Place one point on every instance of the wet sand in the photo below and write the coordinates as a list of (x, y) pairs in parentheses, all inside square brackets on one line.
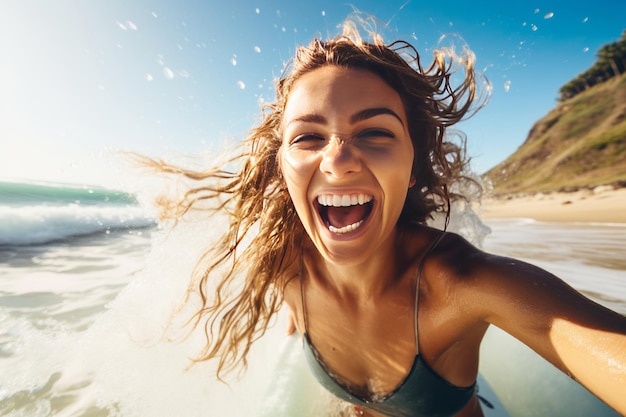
[(602, 204)]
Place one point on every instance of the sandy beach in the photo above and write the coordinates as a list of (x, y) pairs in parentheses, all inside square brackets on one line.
[(602, 204)]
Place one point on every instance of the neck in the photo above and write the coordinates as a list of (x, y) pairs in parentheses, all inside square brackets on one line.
[(365, 278)]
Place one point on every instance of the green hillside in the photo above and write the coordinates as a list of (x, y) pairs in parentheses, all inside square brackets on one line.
[(579, 144), (582, 142)]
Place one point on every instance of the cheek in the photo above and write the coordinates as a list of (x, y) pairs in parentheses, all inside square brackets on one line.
[(296, 175), (297, 167), (403, 166)]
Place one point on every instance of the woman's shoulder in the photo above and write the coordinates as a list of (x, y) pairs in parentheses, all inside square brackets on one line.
[(442, 245), (448, 257), (456, 267)]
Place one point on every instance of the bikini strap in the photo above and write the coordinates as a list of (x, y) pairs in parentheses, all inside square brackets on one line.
[(302, 292), (417, 287)]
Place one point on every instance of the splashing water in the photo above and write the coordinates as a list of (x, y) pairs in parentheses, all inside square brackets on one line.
[(86, 330)]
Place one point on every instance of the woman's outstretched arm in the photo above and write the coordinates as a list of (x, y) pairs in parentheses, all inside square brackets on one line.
[(582, 338)]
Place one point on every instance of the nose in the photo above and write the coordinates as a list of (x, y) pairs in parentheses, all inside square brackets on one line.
[(339, 159)]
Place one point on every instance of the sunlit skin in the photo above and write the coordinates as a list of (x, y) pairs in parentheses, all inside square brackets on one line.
[(344, 133)]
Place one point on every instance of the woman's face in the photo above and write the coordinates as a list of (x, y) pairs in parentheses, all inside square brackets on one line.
[(346, 157)]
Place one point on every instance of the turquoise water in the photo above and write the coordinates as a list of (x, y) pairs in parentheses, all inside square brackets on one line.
[(19, 194), (36, 213), (85, 310)]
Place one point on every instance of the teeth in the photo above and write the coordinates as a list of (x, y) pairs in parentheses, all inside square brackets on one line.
[(345, 229), (346, 200)]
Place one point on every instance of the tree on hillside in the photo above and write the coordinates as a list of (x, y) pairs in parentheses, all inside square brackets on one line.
[(611, 63)]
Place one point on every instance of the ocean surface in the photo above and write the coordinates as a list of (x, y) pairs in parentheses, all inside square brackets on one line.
[(89, 284)]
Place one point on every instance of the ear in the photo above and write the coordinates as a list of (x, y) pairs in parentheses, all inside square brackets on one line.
[(412, 181)]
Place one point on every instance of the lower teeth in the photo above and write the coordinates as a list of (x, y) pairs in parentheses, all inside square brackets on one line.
[(345, 229)]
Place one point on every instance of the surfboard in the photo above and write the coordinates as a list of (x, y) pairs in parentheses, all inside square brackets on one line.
[(489, 401), (528, 385), (293, 391)]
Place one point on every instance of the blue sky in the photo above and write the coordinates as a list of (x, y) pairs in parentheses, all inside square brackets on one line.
[(80, 79)]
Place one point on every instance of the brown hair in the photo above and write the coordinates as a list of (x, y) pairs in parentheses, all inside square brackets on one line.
[(258, 205)]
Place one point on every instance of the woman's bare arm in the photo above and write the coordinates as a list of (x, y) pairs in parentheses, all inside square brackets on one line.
[(582, 338)]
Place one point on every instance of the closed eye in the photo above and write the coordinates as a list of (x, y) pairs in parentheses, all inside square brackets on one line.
[(307, 137), (376, 133)]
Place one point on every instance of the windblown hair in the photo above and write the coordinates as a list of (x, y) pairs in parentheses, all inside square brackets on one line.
[(258, 205)]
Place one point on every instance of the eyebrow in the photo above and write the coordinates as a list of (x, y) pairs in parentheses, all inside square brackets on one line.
[(356, 117), (369, 113)]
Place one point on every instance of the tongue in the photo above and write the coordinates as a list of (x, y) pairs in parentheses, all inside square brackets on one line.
[(344, 216)]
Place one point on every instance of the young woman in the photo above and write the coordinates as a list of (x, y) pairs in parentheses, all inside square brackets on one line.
[(335, 187)]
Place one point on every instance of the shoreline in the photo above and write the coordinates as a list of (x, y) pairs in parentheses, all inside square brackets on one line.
[(603, 204)]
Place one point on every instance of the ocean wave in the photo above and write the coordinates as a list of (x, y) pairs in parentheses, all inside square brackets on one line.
[(38, 224), (16, 194)]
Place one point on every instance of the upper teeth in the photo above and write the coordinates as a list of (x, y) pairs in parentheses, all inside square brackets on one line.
[(346, 200)]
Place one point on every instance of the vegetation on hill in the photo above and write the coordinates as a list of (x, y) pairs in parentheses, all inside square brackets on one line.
[(611, 63), (579, 144)]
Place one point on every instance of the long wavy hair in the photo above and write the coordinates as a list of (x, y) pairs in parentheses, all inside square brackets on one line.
[(265, 235)]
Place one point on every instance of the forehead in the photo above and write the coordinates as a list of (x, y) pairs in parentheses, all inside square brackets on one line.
[(338, 90)]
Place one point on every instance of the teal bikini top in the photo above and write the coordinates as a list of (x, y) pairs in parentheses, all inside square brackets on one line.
[(422, 393)]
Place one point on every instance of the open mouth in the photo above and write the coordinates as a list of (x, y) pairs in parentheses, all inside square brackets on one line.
[(344, 213)]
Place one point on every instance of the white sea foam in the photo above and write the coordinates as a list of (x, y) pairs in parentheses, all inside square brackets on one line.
[(62, 359), (37, 224)]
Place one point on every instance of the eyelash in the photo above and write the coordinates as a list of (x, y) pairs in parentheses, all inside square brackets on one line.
[(364, 134), (376, 133), (307, 136)]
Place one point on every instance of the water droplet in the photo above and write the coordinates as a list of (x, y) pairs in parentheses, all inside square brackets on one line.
[(149, 77), (169, 74), (131, 25), (585, 49), (257, 49), (536, 11), (257, 10), (534, 28), (585, 20), (284, 29), (121, 25), (155, 15), (233, 60), (323, 13), (548, 15), (507, 86), (241, 85)]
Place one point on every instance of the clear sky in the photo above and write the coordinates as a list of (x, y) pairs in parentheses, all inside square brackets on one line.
[(80, 79)]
